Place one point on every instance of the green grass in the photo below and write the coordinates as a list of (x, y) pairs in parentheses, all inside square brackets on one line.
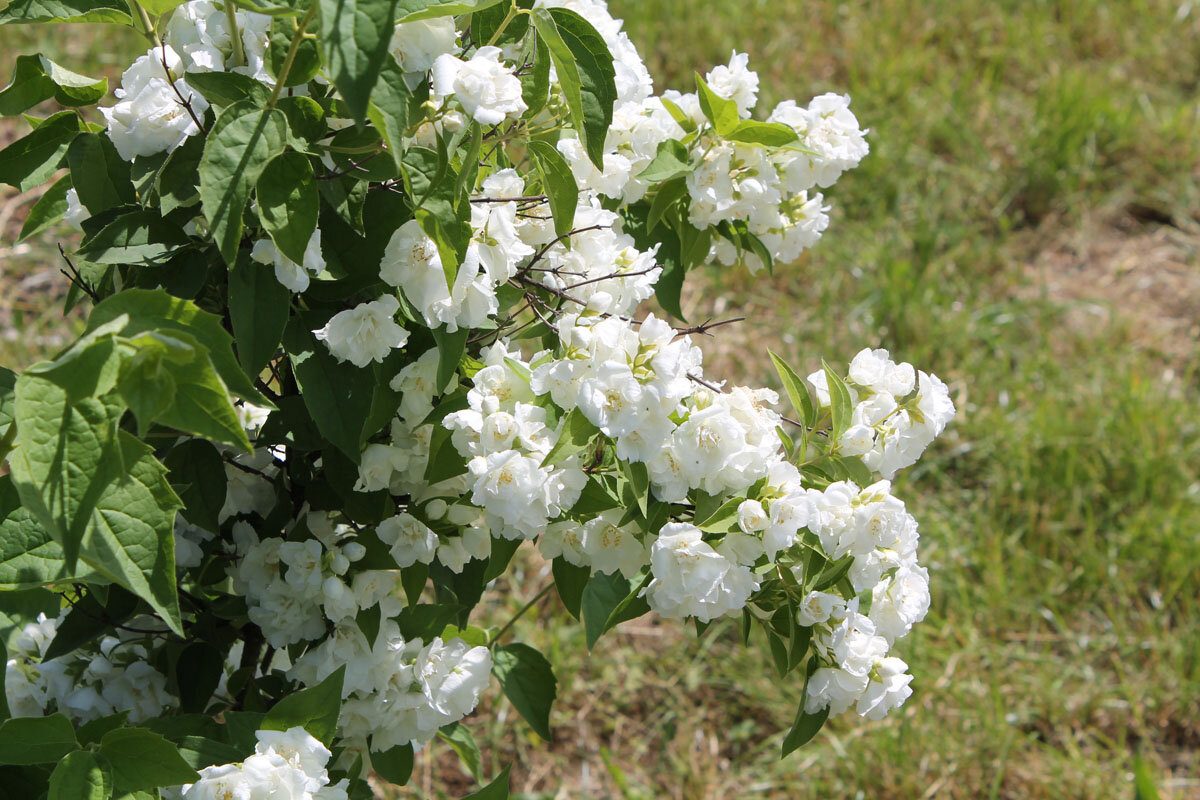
[(1060, 513)]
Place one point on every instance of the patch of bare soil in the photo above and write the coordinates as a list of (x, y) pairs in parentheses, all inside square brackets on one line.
[(1147, 275)]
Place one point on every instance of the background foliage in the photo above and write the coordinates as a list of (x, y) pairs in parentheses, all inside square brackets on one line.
[(1026, 226)]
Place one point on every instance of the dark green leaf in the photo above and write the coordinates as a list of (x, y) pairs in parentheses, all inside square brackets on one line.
[(528, 682), (226, 88), (258, 312), (803, 729), (48, 210), (559, 184), (29, 555), (458, 736), (36, 740), (142, 760), (569, 581), (394, 765), (80, 776), (451, 347), (608, 600), (355, 35), (22, 11), (307, 60), (315, 709), (288, 202), (100, 176), (197, 674), (577, 432), (136, 237), (797, 390), (37, 78), (243, 140), (389, 110), (32, 159), (496, 790)]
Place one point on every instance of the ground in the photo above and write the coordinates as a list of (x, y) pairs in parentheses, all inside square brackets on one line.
[(1028, 227)]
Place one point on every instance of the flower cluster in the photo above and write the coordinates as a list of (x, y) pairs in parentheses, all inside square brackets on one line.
[(287, 764)]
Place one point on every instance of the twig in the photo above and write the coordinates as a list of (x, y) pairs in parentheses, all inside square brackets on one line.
[(185, 102), (76, 278)]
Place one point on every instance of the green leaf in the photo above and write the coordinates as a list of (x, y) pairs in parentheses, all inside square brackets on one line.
[(90, 732), (577, 432), (338, 395), (389, 110), (32, 160), (797, 390), (722, 113), (99, 492), (197, 473), (667, 195), (559, 184), (37, 78), (771, 134), (48, 210), (197, 674), (535, 82), (306, 119), (433, 187), (100, 176), (459, 737), (22, 11), (1143, 780), (288, 202), (496, 790), (608, 601), (29, 555), (451, 347), (315, 709), (36, 740), (226, 88), (569, 582), (394, 765), (142, 760), (177, 182), (305, 63), (159, 6), (839, 403), (243, 140), (150, 309), (670, 161), (355, 35), (80, 776), (724, 519), (585, 73), (200, 751), (803, 729), (89, 619), (528, 682), (410, 10), (137, 237), (258, 311)]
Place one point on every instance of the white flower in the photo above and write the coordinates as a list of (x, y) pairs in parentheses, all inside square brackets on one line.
[(411, 261), (298, 748), (76, 212), (856, 646), (411, 540), (875, 370), (292, 275), (901, 602), (416, 45), (378, 465), (818, 607), (736, 82), (888, 689), (486, 88), (691, 579), (751, 516), (365, 333), (835, 688), (149, 117), (611, 547)]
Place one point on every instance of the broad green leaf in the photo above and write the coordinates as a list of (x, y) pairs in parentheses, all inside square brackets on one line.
[(142, 760), (585, 73), (608, 600), (29, 555), (839, 403), (31, 160), (146, 387), (722, 113), (100, 176), (559, 184), (177, 182), (150, 309), (771, 134), (459, 737), (668, 194), (528, 682), (197, 473), (496, 790), (288, 202), (315, 709), (678, 114), (48, 210), (94, 731), (89, 619), (410, 10), (80, 776), (305, 64), (226, 88), (671, 161), (451, 347), (797, 390), (306, 120), (200, 751), (37, 78), (137, 237), (535, 82), (724, 519), (389, 109), (394, 765), (23, 11), (569, 582), (36, 740), (258, 311), (803, 729), (338, 395), (197, 673), (577, 432), (159, 6), (99, 492), (241, 143), (355, 35)]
